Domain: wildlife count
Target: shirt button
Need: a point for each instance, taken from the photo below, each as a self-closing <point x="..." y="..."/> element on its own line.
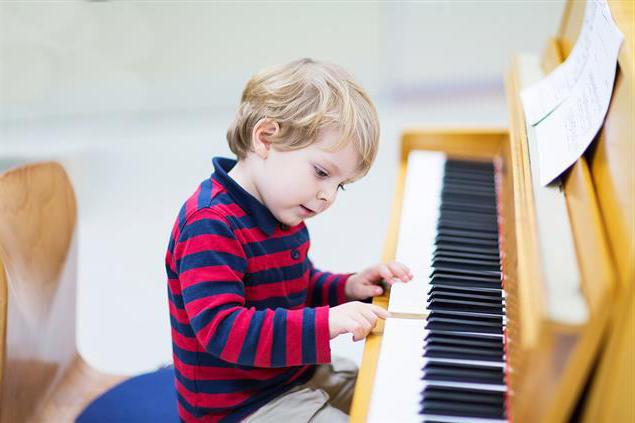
<point x="283" y="227"/>
<point x="295" y="254"/>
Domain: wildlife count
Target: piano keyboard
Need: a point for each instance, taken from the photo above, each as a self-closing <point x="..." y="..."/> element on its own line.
<point x="459" y="345"/>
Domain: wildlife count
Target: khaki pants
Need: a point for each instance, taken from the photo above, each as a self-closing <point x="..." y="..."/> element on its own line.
<point x="326" y="397"/>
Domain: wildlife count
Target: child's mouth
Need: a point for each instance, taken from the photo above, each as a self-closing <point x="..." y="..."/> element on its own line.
<point x="307" y="211"/>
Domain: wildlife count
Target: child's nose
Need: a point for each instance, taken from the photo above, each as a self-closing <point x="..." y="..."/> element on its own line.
<point x="327" y="195"/>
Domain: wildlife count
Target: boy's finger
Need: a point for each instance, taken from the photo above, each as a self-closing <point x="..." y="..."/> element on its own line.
<point x="373" y="290"/>
<point x="379" y="311"/>
<point x="385" y="272"/>
<point x="398" y="270"/>
<point x="405" y="269"/>
<point x="363" y="326"/>
<point x="370" y="316"/>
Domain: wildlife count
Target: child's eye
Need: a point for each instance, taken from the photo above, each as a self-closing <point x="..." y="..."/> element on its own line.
<point x="341" y="186"/>
<point x="319" y="172"/>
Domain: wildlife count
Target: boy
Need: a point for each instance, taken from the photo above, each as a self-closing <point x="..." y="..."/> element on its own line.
<point x="251" y="316"/>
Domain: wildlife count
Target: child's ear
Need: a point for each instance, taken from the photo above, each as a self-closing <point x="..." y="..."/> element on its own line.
<point x="264" y="129"/>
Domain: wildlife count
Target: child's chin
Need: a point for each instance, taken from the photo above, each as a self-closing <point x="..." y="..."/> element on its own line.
<point x="290" y="221"/>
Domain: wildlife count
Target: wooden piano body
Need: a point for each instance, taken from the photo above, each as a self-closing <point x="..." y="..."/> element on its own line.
<point x="557" y="372"/>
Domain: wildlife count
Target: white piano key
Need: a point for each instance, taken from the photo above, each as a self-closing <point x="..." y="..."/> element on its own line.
<point x="397" y="387"/>
<point x="417" y="229"/>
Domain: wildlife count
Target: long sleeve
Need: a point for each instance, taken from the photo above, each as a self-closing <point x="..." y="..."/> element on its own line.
<point x="326" y="288"/>
<point x="211" y="263"/>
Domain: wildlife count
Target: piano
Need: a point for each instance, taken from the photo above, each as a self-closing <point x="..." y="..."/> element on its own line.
<point x="522" y="306"/>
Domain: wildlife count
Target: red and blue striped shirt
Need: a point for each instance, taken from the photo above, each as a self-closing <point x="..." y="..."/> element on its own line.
<point x="248" y="310"/>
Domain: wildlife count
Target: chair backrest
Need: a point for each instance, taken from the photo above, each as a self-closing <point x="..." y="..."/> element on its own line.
<point x="37" y="285"/>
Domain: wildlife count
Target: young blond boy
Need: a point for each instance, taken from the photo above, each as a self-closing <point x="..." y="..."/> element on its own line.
<point x="251" y="316"/>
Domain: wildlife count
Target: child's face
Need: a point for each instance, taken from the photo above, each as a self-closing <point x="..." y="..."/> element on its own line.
<point x="298" y="184"/>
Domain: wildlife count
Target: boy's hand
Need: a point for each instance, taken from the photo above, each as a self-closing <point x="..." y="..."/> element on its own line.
<point x="364" y="284"/>
<point x="354" y="317"/>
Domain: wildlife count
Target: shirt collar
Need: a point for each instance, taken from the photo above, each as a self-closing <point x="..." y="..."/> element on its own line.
<point x="261" y="214"/>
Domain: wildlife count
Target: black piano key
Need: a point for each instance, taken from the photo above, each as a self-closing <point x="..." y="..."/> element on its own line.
<point x="466" y="404"/>
<point x="462" y="189"/>
<point x="485" y="202"/>
<point x="436" y="350"/>
<point x="464" y="206"/>
<point x="460" y="182"/>
<point x="456" y="279"/>
<point x="464" y="271"/>
<point x="468" y="233"/>
<point x="465" y="216"/>
<point x="467" y="339"/>
<point x="441" y="261"/>
<point x="477" y="297"/>
<point x="460" y="240"/>
<point x="476" y="166"/>
<point x="467" y="373"/>
<point x="468" y="223"/>
<point x="466" y="263"/>
<point x="458" y="325"/>
<point x="447" y="284"/>
<point x="449" y="295"/>
<point x="468" y="249"/>
<point x="448" y="224"/>
<point x="471" y="306"/>
<point x="451" y="393"/>
<point x="490" y="258"/>
<point x="474" y="205"/>
<point x="470" y="163"/>
<point x="468" y="319"/>
<point x="494" y="293"/>
<point x="458" y="172"/>
<point x="471" y="178"/>
<point x="461" y="409"/>
<point x="456" y="353"/>
<point x="479" y="197"/>
<point x="468" y="348"/>
<point x="470" y="316"/>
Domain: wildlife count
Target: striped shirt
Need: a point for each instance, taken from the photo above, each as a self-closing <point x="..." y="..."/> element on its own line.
<point x="248" y="310"/>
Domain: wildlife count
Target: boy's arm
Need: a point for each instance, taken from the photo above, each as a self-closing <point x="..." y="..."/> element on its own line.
<point x="211" y="264"/>
<point x="326" y="288"/>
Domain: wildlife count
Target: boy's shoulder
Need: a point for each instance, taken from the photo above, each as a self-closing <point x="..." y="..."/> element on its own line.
<point x="210" y="199"/>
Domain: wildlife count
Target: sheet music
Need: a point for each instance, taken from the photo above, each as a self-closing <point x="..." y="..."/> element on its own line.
<point x="564" y="300"/>
<point x="542" y="97"/>
<point x="565" y="133"/>
<point x="417" y="229"/>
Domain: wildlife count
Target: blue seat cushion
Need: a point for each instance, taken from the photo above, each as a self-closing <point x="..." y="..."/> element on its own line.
<point x="150" y="397"/>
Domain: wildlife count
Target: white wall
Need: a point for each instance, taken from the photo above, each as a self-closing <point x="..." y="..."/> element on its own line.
<point x="76" y="58"/>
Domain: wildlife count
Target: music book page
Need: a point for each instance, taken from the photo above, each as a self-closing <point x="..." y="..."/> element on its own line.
<point x="566" y="131"/>
<point x="542" y="97"/>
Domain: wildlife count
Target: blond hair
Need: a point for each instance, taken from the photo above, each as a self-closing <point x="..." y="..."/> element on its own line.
<point x="304" y="97"/>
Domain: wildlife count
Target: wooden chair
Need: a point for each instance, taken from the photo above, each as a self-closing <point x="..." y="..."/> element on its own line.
<point x="43" y="378"/>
